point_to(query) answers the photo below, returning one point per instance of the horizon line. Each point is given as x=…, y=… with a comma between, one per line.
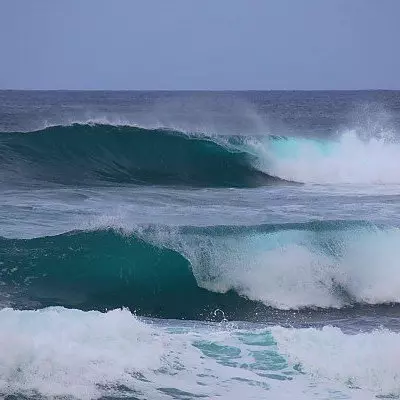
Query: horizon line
x=199, y=90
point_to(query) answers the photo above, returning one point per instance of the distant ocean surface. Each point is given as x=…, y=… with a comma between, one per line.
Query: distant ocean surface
x=199, y=245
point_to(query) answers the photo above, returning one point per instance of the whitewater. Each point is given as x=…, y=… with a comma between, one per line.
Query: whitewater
x=245, y=249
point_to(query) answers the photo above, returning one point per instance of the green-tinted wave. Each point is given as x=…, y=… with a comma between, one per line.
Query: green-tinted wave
x=92, y=154
x=105, y=269
x=189, y=272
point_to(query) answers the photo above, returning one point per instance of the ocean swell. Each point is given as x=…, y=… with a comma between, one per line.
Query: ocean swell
x=95, y=154
x=91, y=154
x=190, y=272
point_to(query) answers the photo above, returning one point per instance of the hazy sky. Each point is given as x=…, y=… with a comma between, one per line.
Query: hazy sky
x=203, y=44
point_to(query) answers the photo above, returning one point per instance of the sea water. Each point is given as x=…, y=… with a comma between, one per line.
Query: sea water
x=184, y=245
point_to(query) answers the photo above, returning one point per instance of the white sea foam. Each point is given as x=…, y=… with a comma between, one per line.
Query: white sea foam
x=60, y=352
x=350, y=159
x=366, y=362
x=296, y=268
x=84, y=355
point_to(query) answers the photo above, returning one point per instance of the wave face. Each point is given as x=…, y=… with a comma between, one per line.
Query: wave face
x=92, y=154
x=190, y=272
x=104, y=269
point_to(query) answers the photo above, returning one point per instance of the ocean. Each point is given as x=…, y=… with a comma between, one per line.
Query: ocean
x=186, y=245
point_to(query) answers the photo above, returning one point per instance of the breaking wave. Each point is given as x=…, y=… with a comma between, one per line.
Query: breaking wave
x=189, y=272
x=93, y=154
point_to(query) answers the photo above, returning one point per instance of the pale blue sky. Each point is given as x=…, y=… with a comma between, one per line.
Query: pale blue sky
x=207, y=44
